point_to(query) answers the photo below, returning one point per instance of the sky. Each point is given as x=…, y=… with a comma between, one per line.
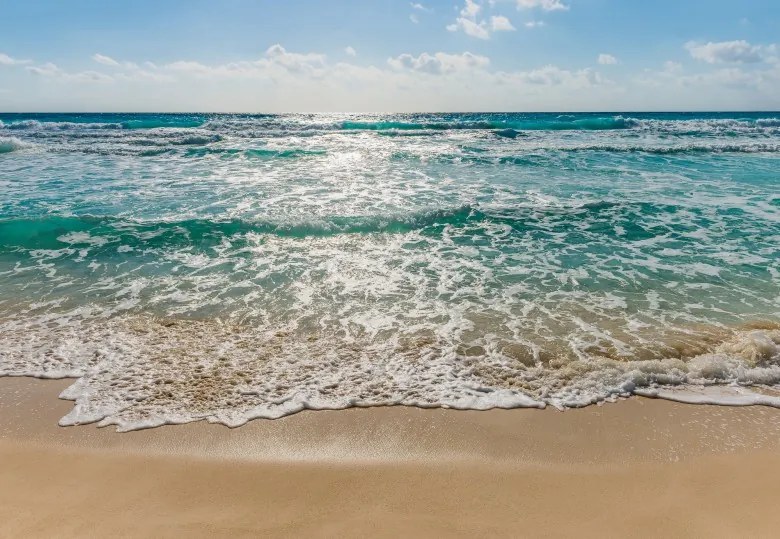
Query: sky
x=389, y=55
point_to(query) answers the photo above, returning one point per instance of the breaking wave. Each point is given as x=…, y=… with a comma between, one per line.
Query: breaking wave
x=141, y=123
x=53, y=232
x=11, y=144
x=262, y=153
x=586, y=124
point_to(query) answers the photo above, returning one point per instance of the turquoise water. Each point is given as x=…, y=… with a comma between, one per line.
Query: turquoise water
x=188, y=266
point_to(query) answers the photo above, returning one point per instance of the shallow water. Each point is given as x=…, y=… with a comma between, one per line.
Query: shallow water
x=238, y=266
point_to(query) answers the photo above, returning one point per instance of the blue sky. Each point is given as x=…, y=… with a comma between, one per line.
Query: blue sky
x=389, y=55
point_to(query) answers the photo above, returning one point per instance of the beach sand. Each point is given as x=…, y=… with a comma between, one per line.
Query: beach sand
x=635, y=468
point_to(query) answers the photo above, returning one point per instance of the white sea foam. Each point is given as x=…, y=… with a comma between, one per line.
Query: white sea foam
x=141, y=372
x=76, y=238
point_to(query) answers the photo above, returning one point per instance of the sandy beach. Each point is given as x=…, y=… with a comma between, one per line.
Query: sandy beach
x=639, y=468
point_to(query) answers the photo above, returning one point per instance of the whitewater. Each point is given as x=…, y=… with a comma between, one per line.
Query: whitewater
x=228, y=267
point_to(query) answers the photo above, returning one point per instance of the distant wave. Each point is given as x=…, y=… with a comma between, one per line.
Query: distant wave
x=541, y=155
x=607, y=123
x=126, y=124
x=768, y=122
x=145, y=148
x=504, y=125
x=36, y=124
x=511, y=126
x=196, y=135
x=255, y=152
x=156, y=123
x=706, y=126
x=53, y=232
x=752, y=147
x=197, y=139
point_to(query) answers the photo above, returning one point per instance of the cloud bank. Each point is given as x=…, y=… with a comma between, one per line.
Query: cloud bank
x=732, y=52
x=730, y=75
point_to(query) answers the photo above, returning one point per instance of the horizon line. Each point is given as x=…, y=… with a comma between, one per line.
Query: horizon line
x=617, y=111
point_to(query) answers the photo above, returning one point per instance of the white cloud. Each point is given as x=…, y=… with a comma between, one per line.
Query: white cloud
x=727, y=77
x=607, y=59
x=439, y=63
x=50, y=70
x=470, y=24
x=45, y=70
x=534, y=24
x=6, y=60
x=470, y=28
x=349, y=51
x=551, y=75
x=499, y=23
x=105, y=60
x=470, y=10
x=729, y=88
x=117, y=65
x=90, y=76
x=734, y=52
x=771, y=53
x=189, y=67
x=276, y=62
x=294, y=61
x=545, y=5
x=672, y=67
x=420, y=7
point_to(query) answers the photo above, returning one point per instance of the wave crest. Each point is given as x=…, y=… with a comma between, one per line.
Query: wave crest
x=262, y=153
x=11, y=144
x=131, y=124
x=53, y=232
x=503, y=126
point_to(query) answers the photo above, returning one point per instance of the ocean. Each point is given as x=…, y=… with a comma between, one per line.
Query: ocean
x=236, y=266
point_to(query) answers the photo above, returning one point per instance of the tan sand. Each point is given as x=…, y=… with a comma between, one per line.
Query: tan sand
x=636, y=468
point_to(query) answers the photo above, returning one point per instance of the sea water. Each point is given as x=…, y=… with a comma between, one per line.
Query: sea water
x=230, y=267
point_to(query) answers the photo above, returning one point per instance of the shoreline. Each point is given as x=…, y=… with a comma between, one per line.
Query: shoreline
x=635, y=429
x=170, y=371
x=640, y=467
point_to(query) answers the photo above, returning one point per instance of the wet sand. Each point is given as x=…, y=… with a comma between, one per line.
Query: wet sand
x=640, y=468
